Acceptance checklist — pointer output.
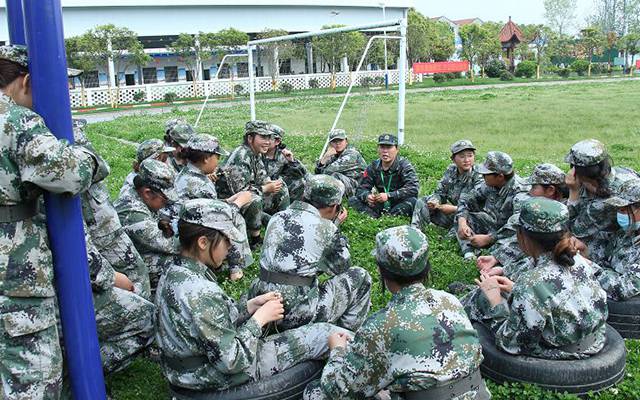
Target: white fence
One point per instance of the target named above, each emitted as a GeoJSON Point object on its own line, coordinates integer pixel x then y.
{"type": "Point", "coordinates": [222, 87]}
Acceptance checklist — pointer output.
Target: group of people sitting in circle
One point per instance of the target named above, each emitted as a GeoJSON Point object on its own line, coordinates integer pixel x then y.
{"type": "Point", "coordinates": [550, 249]}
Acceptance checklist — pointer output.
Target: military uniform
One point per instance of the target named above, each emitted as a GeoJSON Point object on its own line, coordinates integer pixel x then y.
{"type": "Point", "coordinates": [450, 189]}
{"type": "Point", "coordinates": [207, 341]}
{"type": "Point", "coordinates": [33, 161]}
{"type": "Point", "coordinates": [554, 311]}
{"type": "Point", "coordinates": [420, 342]}
{"type": "Point", "coordinates": [141, 223]}
{"type": "Point", "coordinates": [347, 167]}
{"type": "Point", "coordinates": [299, 245]}
{"type": "Point", "coordinates": [293, 172]}
{"type": "Point", "coordinates": [400, 182]}
{"type": "Point", "coordinates": [151, 148]}
{"type": "Point", "coordinates": [179, 131]}
{"type": "Point", "coordinates": [486, 208]}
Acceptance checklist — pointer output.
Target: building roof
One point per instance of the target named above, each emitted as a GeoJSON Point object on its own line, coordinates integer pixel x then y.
{"type": "Point", "coordinates": [511, 33]}
{"type": "Point", "coordinates": [466, 21]}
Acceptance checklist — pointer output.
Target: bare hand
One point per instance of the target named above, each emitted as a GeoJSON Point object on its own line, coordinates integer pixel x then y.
{"type": "Point", "coordinates": [273, 186]}
{"type": "Point", "coordinates": [288, 155]}
{"type": "Point", "coordinates": [236, 275]}
{"type": "Point", "coordinates": [213, 176]}
{"type": "Point", "coordinates": [327, 155]}
{"type": "Point", "coordinates": [485, 263]}
{"type": "Point", "coordinates": [571, 180]}
{"type": "Point", "coordinates": [464, 231]}
{"type": "Point", "coordinates": [371, 200]}
{"type": "Point", "coordinates": [338, 339]}
{"type": "Point", "coordinates": [495, 271]}
{"type": "Point", "coordinates": [490, 287]}
{"type": "Point", "coordinates": [505, 284]}
{"type": "Point", "coordinates": [382, 198]}
{"type": "Point", "coordinates": [432, 205]}
{"type": "Point", "coordinates": [480, 240]}
{"type": "Point", "coordinates": [343, 215]}
{"type": "Point", "coordinates": [123, 282]}
{"type": "Point", "coordinates": [241, 199]}
{"type": "Point", "coordinates": [272, 310]}
{"type": "Point", "coordinates": [259, 301]}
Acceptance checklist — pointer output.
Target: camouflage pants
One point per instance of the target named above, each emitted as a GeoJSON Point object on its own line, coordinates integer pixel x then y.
{"type": "Point", "coordinates": [252, 213]}
{"type": "Point", "coordinates": [125, 326]}
{"type": "Point", "coordinates": [30, 354]}
{"type": "Point", "coordinates": [397, 208]}
{"type": "Point", "coordinates": [621, 286]}
{"type": "Point", "coordinates": [350, 184]}
{"type": "Point", "coordinates": [119, 250]}
{"type": "Point", "coordinates": [296, 187]}
{"type": "Point", "coordinates": [343, 300]}
{"type": "Point", "coordinates": [274, 202]}
{"type": "Point", "coordinates": [240, 255]}
{"type": "Point", "coordinates": [480, 223]}
{"type": "Point", "coordinates": [422, 216]}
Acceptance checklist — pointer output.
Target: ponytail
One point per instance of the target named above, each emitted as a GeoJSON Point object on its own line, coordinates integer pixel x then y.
{"type": "Point", "coordinates": [562, 244]}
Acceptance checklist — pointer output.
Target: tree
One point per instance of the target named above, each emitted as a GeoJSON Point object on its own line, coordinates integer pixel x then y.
{"type": "Point", "coordinates": [539, 38]}
{"type": "Point", "coordinates": [427, 39]}
{"type": "Point", "coordinates": [77, 58]}
{"type": "Point", "coordinates": [276, 52]}
{"type": "Point", "coordinates": [612, 42]}
{"type": "Point", "coordinates": [592, 42]}
{"type": "Point", "coordinates": [560, 14]}
{"type": "Point", "coordinates": [224, 42]}
{"type": "Point", "coordinates": [333, 48]}
{"type": "Point", "coordinates": [192, 50]}
{"type": "Point", "coordinates": [480, 45]}
{"type": "Point", "coordinates": [631, 45]}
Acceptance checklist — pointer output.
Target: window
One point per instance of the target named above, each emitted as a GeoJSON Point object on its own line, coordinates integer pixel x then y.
{"type": "Point", "coordinates": [91, 79]}
{"type": "Point", "coordinates": [224, 71]}
{"type": "Point", "coordinates": [171, 74]}
{"type": "Point", "coordinates": [206, 74]}
{"type": "Point", "coordinates": [243, 69]}
{"type": "Point", "coordinates": [285, 67]}
{"type": "Point", "coordinates": [150, 75]}
{"type": "Point", "coordinates": [189, 76]}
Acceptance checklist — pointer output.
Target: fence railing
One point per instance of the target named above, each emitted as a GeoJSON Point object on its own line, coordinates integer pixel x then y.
{"type": "Point", "coordinates": [91, 97]}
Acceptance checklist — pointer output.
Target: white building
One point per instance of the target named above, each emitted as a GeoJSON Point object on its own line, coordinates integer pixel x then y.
{"type": "Point", "coordinates": [455, 26]}
{"type": "Point", "coordinates": [158, 22]}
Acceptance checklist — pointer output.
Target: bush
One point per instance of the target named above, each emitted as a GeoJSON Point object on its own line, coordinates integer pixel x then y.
{"type": "Point", "coordinates": [139, 96]}
{"type": "Point", "coordinates": [372, 81]}
{"type": "Point", "coordinates": [526, 69]}
{"type": "Point", "coordinates": [170, 97]}
{"type": "Point", "coordinates": [564, 72]}
{"type": "Point", "coordinates": [599, 68]}
{"type": "Point", "coordinates": [550, 69]}
{"type": "Point", "coordinates": [439, 78]}
{"type": "Point", "coordinates": [238, 89]}
{"type": "Point", "coordinates": [506, 76]}
{"type": "Point", "coordinates": [286, 87]}
{"type": "Point", "coordinates": [313, 83]}
{"type": "Point", "coordinates": [454, 75]}
{"type": "Point", "coordinates": [494, 68]}
{"type": "Point", "coordinates": [580, 67]}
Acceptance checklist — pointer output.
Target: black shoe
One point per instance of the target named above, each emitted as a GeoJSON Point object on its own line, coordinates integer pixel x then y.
{"type": "Point", "coordinates": [255, 242]}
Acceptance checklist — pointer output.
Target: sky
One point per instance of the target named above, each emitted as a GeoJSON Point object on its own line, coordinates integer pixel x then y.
{"type": "Point", "coordinates": [521, 11]}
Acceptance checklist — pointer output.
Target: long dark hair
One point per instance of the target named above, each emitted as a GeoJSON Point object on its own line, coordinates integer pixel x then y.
{"type": "Point", "coordinates": [559, 243]}
{"type": "Point", "coordinates": [10, 71]}
{"type": "Point", "coordinates": [189, 234]}
{"type": "Point", "coordinates": [195, 156]}
{"type": "Point", "coordinates": [599, 173]}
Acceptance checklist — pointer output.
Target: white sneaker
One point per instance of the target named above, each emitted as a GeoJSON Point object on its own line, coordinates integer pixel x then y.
{"type": "Point", "coordinates": [470, 256]}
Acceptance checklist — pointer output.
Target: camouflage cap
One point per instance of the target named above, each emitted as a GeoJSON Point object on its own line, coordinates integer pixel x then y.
{"type": "Point", "coordinates": [542, 215]}
{"type": "Point", "coordinates": [337, 134]}
{"type": "Point", "coordinates": [214, 214]}
{"type": "Point", "coordinates": [586, 153]}
{"type": "Point", "coordinates": [262, 128]}
{"type": "Point", "coordinates": [151, 148]}
{"type": "Point", "coordinates": [159, 176]}
{"type": "Point", "coordinates": [546, 174]}
{"type": "Point", "coordinates": [181, 132]}
{"type": "Point", "coordinates": [628, 194]}
{"type": "Point", "coordinates": [206, 143]}
{"type": "Point", "coordinates": [172, 123]}
{"type": "Point", "coordinates": [388, 139]}
{"type": "Point", "coordinates": [402, 250]}
{"type": "Point", "coordinates": [16, 53]}
{"type": "Point", "coordinates": [324, 189]}
{"type": "Point", "coordinates": [496, 162]}
{"type": "Point", "coordinates": [462, 145]}
{"type": "Point", "coordinates": [278, 132]}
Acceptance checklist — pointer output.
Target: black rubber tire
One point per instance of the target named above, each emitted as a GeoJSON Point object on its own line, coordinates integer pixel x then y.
{"type": "Point", "coordinates": [624, 316]}
{"type": "Point", "coordinates": [579, 377]}
{"type": "Point", "coordinates": [287, 385]}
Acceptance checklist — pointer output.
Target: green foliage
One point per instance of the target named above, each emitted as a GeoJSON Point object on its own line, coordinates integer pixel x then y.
{"type": "Point", "coordinates": [332, 48]}
{"type": "Point", "coordinates": [494, 68]}
{"type": "Point", "coordinates": [368, 81]}
{"type": "Point", "coordinates": [439, 78]}
{"type": "Point", "coordinates": [592, 42]}
{"type": "Point", "coordinates": [564, 72]}
{"type": "Point", "coordinates": [560, 14]}
{"type": "Point", "coordinates": [275, 53]}
{"type": "Point", "coordinates": [526, 69]}
{"type": "Point", "coordinates": [428, 39]}
{"type": "Point", "coordinates": [506, 76]}
{"type": "Point", "coordinates": [480, 43]}
{"type": "Point", "coordinates": [139, 96]}
{"type": "Point", "coordinates": [286, 87]}
{"type": "Point", "coordinates": [238, 89]}
{"type": "Point", "coordinates": [313, 83]}
{"type": "Point", "coordinates": [170, 97]}
{"type": "Point", "coordinates": [580, 67]}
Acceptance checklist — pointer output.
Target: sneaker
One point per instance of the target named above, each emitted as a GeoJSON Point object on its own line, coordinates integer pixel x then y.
{"type": "Point", "coordinates": [470, 256]}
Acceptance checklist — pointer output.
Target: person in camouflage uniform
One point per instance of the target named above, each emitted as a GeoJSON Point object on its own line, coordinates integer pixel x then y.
{"type": "Point", "coordinates": [620, 275]}
{"type": "Point", "coordinates": [138, 212]}
{"type": "Point", "coordinates": [591, 181]}
{"type": "Point", "coordinates": [177, 133]}
{"type": "Point", "coordinates": [556, 309]}
{"type": "Point", "coordinates": [421, 342]}
{"type": "Point", "coordinates": [487, 208]}
{"type": "Point", "coordinates": [280, 163]}
{"type": "Point", "coordinates": [33, 162]}
{"type": "Point", "coordinates": [389, 184]}
{"type": "Point", "coordinates": [244, 170]}
{"type": "Point", "coordinates": [207, 340]}
{"type": "Point", "coordinates": [342, 161]}
{"type": "Point", "coordinates": [202, 153]}
{"type": "Point", "coordinates": [151, 148]}
{"type": "Point", "coordinates": [459, 179]}
{"type": "Point", "coordinates": [303, 242]}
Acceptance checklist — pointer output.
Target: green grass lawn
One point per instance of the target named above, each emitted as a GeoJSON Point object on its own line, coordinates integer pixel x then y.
{"type": "Point", "coordinates": [532, 124]}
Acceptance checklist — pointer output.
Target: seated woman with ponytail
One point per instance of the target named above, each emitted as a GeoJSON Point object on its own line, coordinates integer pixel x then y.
{"type": "Point", "coordinates": [556, 309]}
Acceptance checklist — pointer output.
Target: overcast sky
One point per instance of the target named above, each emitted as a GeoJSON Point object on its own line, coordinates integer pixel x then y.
{"type": "Point", "coordinates": [522, 11]}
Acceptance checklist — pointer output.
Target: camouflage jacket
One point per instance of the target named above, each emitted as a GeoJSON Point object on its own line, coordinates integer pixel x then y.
{"type": "Point", "coordinates": [349, 163]}
{"type": "Point", "coordinates": [191, 183]}
{"type": "Point", "coordinates": [453, 185]}
{"type": "Point", "coordinates": [620, 277]}
{"type": "Point", "coordinates": [34, 161]}
{"type": "Point", "coordinates": [242, 170]}
{"type": "Point", "coordinates": [551, 306]}
{"type": "Point", "coordinates": [401, 180]}
{"type": "Point", "coordinates": [128, 183]}
{"type": "Point", "coordinates": [279, 167]}
{"type": "Point", "coordinates": [198, 323]}
{"type": "Point", "coordinates": [498, 203]}
{"type": "Point", "coordinates": [422, 338]}
{"type": "Point", "coordinates": [98, 212]}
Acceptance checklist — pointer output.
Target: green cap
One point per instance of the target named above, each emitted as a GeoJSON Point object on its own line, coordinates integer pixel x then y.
{"type": "Point", "coordinates": [151, 148]}
{"type": "Point", "coordinates": [262, 128]}
{"type": "Point", "coordinates": [158, 176]}
{"type": "Point", "coordinates": [402, 250]}
{"type": "Point", "coordinates": [171, 123]}
{"type": "Point", "coordinates": [628, 194]}
{"type": "Point", "coordinates": [16, 53]}
{"type": "Point", "coordinates": [542, 215]}
{"type": "Point", "coordinates": [214, 214]}
{"type": "Point", "coordinates": [496, 162]}
{"type": "Point", "coordinates": [586, 153]}
{"type": "Point", "coordinates": [206, 143]}
{"type": "Point", "coordinates": [462, 145]}
{"type": "Point", "coordinates": [337, 134]}
{"type": "Point", "coordinates": [181, 133]}
{"type": "Point", "coordinates": [546, 174]}
{"type": "Point", "coordinates": [388, 139]}
{"type": "Point", "coordinates": [324, 189]}
{"type": "Point", "coordinates": [278, 132]}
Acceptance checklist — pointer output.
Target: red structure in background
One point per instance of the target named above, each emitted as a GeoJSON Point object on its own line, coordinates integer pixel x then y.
{"type": "Point", "coordinates": [637, 64]}
{"type": "Point", "coordinates": [442, 67]}
{"type": "Point", "coordinates": [510, 37]}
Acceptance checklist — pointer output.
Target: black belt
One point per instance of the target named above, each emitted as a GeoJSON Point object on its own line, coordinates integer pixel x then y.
{"type": "Point", "coordinates": [453, 389]}
{"type": "Point", "coordinates": [584, 345]}
{"type": "Point", "coordinates": [19, 212]}
{"type": "Point", "coordinates": [180, 364]}
{"type": "Point", "coordinates": [285, 279]}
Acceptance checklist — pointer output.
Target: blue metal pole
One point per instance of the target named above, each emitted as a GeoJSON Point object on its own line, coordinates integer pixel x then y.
{"type": "Point", "coordinates": [15, 20]}
{"type": "Point", "coordinates": [48, 68]}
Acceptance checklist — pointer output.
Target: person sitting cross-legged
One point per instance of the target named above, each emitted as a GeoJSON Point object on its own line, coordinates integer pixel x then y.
{"type": "Point", "coordinates": [342, 161]}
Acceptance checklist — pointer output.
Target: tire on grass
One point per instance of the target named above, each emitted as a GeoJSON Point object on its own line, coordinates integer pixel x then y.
{"type": "Point", "coordinates": [624, 317]}
{"type": "Point", "coordinates": [287, 385]}
{"type": "Point", "coordinates": [579, 377]}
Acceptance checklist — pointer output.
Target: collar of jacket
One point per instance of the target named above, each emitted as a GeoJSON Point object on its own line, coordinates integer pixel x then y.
{"type": "Point", "coordinates": [407, 292]}
{"type": "Point", "coordinates": [304, 206]}
{"type": "Point", "coordinates": [394, 166]}
{"type": "Point", "coordinates": [194, 266]}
